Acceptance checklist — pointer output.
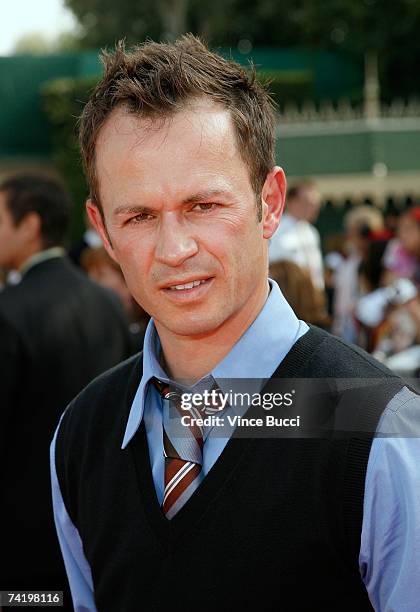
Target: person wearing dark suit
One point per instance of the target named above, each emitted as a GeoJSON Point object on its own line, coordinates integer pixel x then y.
{"type": "Point", "coordinates": [58, 330]}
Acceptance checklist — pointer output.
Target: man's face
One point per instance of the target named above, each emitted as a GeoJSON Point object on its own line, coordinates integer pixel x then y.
{"type": "Point", "coordinates": [311, 200]}
{"type": "Point", "coordinates": [12, 237]}
{"type": "Point", "coordinates": [180, 210]}
{"type": "Point", "coordinates": [409, 234]}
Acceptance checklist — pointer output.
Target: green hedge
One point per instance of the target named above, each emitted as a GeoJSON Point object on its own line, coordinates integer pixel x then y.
{"type": "Point", "coordinates": [63, 101]}
{"type": "Point", "coordinates": [288, 85]}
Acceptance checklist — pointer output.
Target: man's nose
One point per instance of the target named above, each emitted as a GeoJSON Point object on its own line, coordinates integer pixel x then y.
{"type": "Point", "coordinates": [175, 244]}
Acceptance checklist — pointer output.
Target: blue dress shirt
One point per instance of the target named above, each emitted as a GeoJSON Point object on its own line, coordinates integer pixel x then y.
{"type": "Point", "coordinates": [390, 541]}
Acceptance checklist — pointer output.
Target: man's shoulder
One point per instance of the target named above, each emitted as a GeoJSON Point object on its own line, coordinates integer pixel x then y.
{"type": "Point", "coordinates": [353, 360]}
{"type": "Point", "coordinates": [42, 280]}
{"type": "Point", "coordinates": [113, 381]}
{"type": "Point", "coordinates": [57, 282]}
{"type": "Point", "coordinates": [306, 233]}
{"type": "Point", "coordinates": [106, 397]}
{"type": "Point", "coordinates": [12, 300]}
{"type": "Point", "coordinates": [330, 356]}
{"type": "Point", "coordinates": [313, 231]}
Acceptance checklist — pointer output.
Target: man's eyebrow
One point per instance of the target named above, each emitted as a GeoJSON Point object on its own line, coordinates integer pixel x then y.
{"type": "Point", "coordinates": [201, 196]}
{"type": "Point", "coordinates": [209, 194]}
{"type": "Point", "coordinates": [129, 209]}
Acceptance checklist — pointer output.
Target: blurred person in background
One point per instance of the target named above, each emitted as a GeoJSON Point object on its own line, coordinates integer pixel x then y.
{"type": "Point", "coordinates": [298, 289]}
{"type": "Point", "coordinates": [358, 223]}
{"type": "Point", "coordinates": [392, 217]}
{"type": "Point", "coordinates": [334, 257]}
{"type": "Point", "coordinates": [402, 256]}
{"type": "Point", "coordinates": [101, 268]}
{"type": "Point", "coordinates": [371, 279]}
{"type": "Point", "coordinates": [398, 344]}
{"type": "Point", "coordinates": [389, 319]}
{"type": "Point", "coordinates": [2, 279]}
{"type": "Point", "coordinates": [58, 330]}
{"type": "Point", "coordinates": [389, 308]}
{"type": "Point", "coordinates": [90, 240]}
{"type": "Point", "coordinates": [296, 239]}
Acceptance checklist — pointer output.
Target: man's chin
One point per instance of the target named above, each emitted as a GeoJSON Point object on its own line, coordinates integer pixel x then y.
{"type": "Point", "coordinates": [190, 326]}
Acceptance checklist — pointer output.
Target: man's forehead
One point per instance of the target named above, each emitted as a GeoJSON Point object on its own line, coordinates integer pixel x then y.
{"type": "Point", "coordinates": [192, 145]}
{"type": "Point", "coordinates": [200, 122]}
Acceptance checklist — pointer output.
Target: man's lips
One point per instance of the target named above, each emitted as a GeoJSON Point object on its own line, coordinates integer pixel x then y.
{"type": "Point", "coordinates": [181, 292]}
{"type": "Point", "coordinates": [185, 284]}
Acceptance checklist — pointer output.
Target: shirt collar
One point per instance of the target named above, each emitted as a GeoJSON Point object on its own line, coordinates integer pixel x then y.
{"type": "Point", "coordinates": [254, 357]}
{"type": "Point", "coordinates": [40, 257]}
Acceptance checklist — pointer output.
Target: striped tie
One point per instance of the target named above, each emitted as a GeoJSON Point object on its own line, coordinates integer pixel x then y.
{"type": "Point", "coordinates": [183, 451]}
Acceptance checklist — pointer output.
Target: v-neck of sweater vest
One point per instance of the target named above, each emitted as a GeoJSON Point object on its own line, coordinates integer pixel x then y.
{"type": "Point", "coordinates": [232, 458]}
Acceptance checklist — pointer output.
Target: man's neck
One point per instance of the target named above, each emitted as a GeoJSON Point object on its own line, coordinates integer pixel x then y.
{"type": "Point", "coordinates": [189, 358]}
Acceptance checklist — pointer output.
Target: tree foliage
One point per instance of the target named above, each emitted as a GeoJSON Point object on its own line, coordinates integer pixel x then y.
{"type": "Point", "coordinates": [63, 101]}
{"type": "Point", "coordinates": [389, 27]}
{"type": "Point", "coordinates": [37, 43]}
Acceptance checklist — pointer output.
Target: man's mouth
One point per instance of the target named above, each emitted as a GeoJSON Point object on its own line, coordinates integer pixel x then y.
{"type": "Point", "coordinates": [189, 285]}
{"type": "Point", "coordinates": [191, 290]}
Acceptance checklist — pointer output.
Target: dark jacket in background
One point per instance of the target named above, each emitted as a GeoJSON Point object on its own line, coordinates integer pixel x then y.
{"type": "Point", "coordinates": [58, 330]}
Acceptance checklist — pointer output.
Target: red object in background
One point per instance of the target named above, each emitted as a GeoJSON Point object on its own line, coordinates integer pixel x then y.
{"type": "Point", "coordinates": [414, 213]}
{"type": "Point", "coordinates": [382, 234]}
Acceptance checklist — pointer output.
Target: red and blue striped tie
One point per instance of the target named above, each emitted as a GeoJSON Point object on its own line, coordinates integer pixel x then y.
{"type": "Point", "coordinates": [183, 453]}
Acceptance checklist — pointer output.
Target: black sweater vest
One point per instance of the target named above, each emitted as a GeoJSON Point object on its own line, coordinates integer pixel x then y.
{"type": "Point", "coordinates": [275, 525]}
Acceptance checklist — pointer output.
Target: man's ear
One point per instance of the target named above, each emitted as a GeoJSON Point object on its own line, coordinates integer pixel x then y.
{"type": "Point", "coordinates": [97, 221]}
{"type": "Point", "coordinates": [273, 198]}
{"type": "Point", "coordinates": [30, 226]}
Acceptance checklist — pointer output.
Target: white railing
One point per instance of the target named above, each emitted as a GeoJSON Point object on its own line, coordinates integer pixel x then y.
{"type": "Point", "coordinates": [326, 111]}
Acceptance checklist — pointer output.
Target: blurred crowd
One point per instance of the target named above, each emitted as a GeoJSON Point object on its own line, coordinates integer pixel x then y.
{"type": "Point", "coordinates": [365, 288]}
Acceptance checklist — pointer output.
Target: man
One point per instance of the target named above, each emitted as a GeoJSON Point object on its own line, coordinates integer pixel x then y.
{"type": "Point", "coordinates": [297, 239]}
{"type": "Point", "coordinates": [58, 330]}
{"type": "Point", "coordinates": [359, 223]}
{"type": "Point", "coordinates": [178, 145]}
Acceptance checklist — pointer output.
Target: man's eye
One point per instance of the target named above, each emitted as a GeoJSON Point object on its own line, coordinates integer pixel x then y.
{"type": "Point", "coordinates": [140, 218]}
{"type": "Point", "coordinates": [204, 206]}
